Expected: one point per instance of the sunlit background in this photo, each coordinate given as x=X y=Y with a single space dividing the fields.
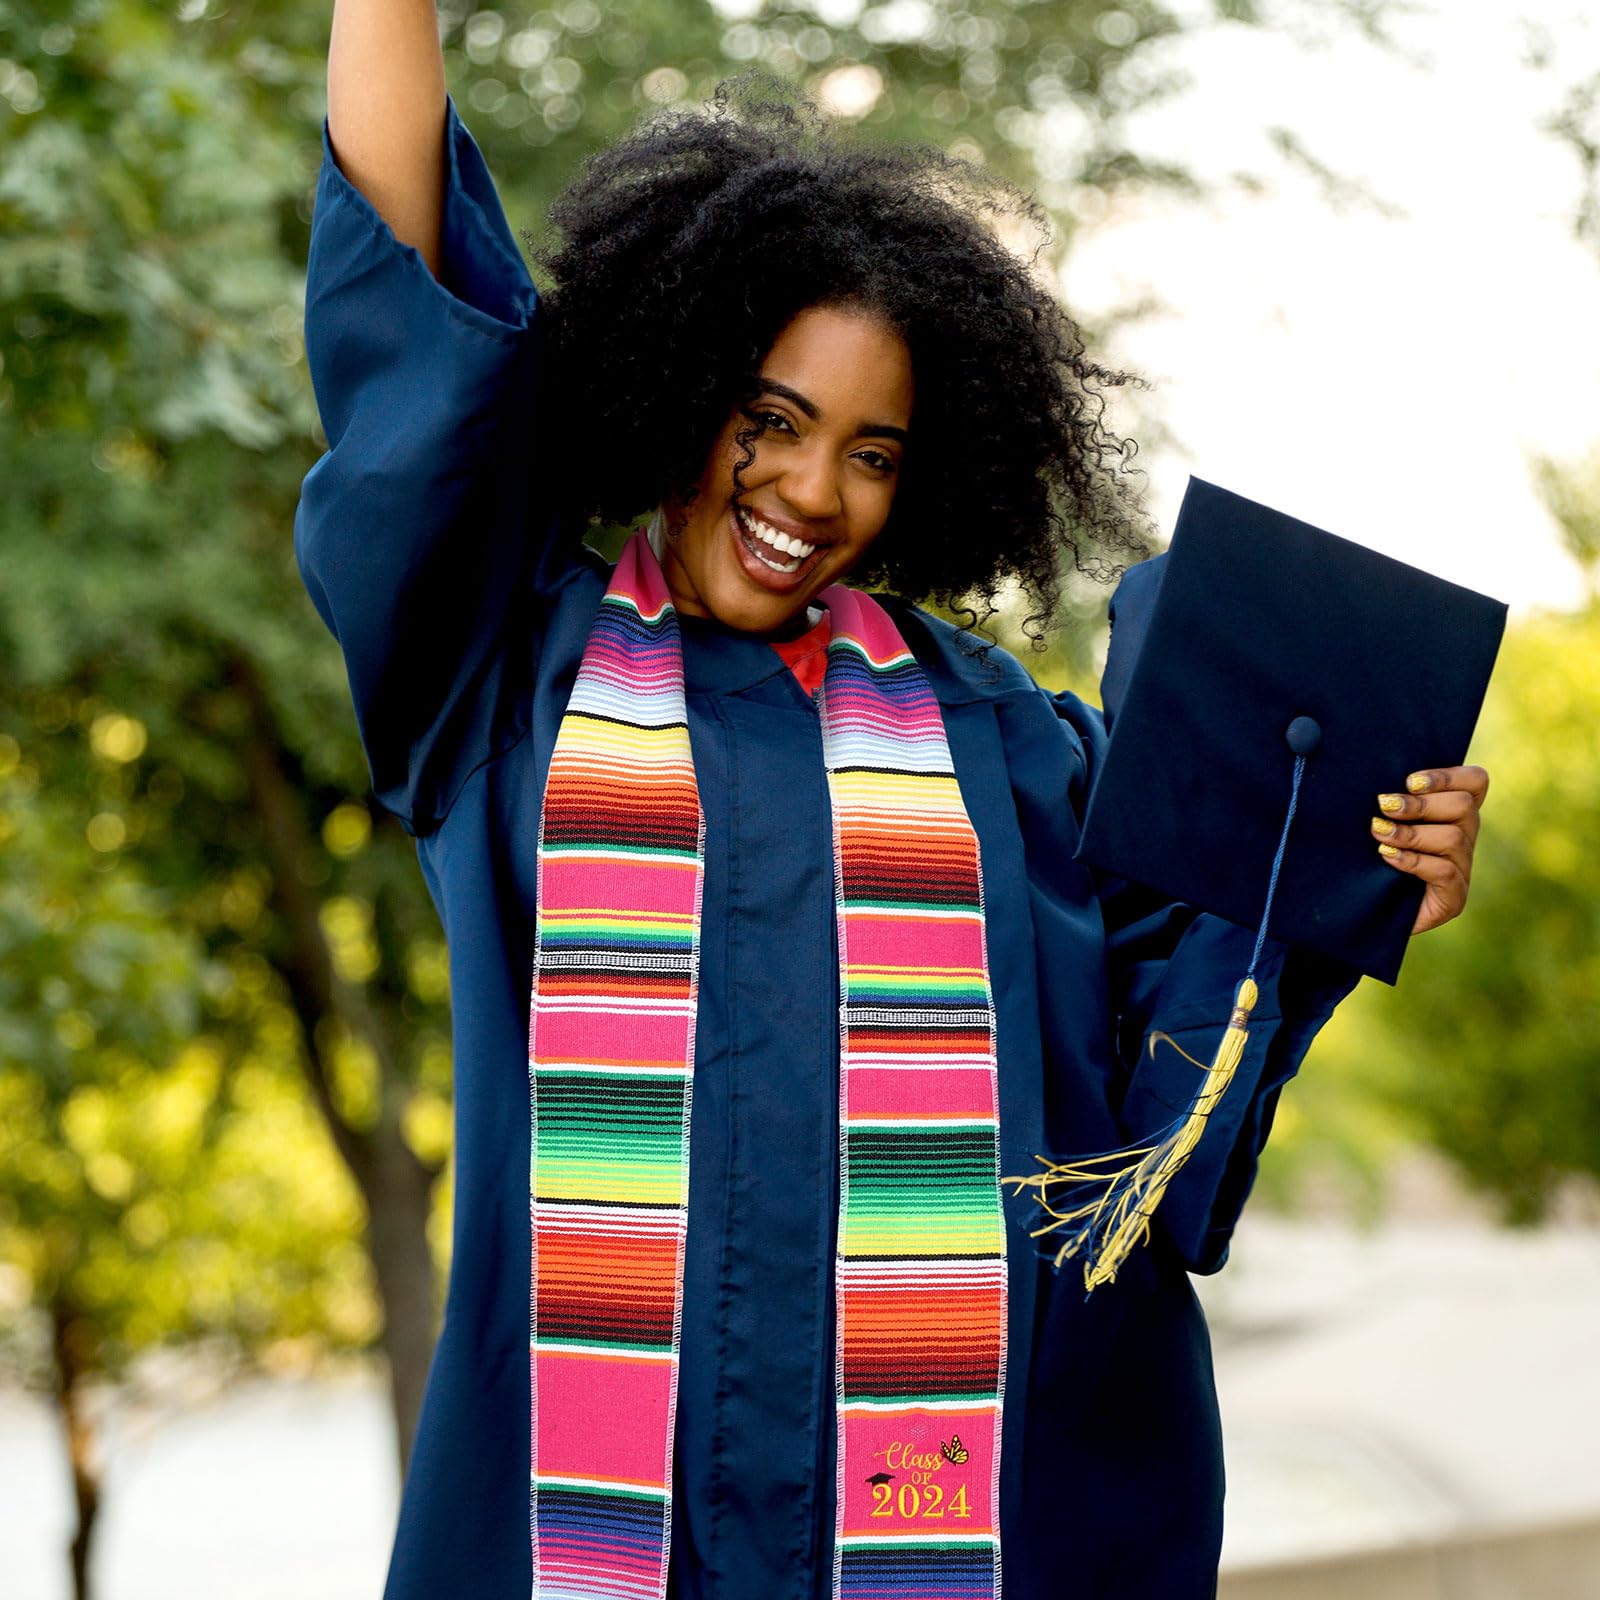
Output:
x=1355 y=247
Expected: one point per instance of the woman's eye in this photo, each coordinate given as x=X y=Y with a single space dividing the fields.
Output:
x=877 y=460
x=771 y=421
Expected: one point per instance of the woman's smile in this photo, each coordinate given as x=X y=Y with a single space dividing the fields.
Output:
x=773 y=555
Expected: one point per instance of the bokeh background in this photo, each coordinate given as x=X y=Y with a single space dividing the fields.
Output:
x=1354 y=245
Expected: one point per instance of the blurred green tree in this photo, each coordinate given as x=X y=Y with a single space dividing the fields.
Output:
x=1555 y=52
x=157 y=162
x=162 y=1179
x=1496 y=1039
x=155 y=423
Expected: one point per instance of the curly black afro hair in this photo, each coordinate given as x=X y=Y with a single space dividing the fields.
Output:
x=683 y=250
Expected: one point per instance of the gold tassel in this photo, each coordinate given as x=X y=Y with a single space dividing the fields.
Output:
x=1116 y=1217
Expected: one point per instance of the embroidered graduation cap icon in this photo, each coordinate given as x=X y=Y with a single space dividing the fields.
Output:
x=1285 y=679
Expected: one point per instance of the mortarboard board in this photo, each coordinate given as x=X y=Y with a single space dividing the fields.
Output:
x=1262 y=619
x=1285 y=678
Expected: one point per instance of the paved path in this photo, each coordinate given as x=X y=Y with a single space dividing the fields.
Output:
x=1415 y=1383
x=1412 y=1383
x=280 y=1491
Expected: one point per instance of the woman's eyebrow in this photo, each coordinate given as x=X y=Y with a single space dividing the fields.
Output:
x=874 y=430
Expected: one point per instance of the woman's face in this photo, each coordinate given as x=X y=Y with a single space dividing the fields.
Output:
x=835 y=405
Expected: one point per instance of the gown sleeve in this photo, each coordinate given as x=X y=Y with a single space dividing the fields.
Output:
x=416 y=533
x=1173 y=969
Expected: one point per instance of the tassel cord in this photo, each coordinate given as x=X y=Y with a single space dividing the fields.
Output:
x=1113 y=1216
x=1277 y=865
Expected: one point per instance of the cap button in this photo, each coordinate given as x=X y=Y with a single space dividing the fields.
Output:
x=1303 y=735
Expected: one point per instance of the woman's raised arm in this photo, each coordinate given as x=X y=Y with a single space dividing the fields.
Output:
x=386 y=112
x=426 y=534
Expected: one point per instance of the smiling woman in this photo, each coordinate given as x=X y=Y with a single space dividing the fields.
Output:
x=736 y=859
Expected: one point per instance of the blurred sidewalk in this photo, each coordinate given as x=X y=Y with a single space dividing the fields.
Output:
x=1418 y=1383
x=1558 y=1561
x=280 y=1490
x=1384 y=1395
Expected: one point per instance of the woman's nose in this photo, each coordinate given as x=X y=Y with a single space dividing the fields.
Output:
x=811 y=485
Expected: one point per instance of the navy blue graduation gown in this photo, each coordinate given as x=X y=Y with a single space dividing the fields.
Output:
x=462 y=607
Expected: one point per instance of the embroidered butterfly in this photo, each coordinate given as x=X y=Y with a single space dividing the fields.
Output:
x=954 y=1452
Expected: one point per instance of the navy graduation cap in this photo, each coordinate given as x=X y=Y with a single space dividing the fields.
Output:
x=1285 y=679
x=1270 y=639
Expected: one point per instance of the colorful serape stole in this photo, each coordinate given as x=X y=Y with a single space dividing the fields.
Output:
x=920 y=1280
x=611 y=1055
x=920 y=1277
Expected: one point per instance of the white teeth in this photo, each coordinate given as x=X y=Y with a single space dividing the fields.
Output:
x=783 y=543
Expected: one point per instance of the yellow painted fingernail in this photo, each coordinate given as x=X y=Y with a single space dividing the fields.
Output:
x=1387 y=850
x=1420 y=782
x=1391 y=803
x=1382 y=827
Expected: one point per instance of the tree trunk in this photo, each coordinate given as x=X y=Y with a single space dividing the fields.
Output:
x=81 y=1451
x=398 y=1191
